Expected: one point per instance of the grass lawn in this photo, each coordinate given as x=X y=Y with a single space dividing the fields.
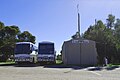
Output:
x=110 y=65
x=7 y=62
x=58 y=62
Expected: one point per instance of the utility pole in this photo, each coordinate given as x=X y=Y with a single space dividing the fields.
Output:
x=78 y=20
x=95 y=22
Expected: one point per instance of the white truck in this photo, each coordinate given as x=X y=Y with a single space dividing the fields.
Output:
x=25 y=52
x=46 y=53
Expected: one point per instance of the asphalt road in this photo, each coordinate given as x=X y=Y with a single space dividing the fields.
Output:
x=13 y=72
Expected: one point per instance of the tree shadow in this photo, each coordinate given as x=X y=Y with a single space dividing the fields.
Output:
x=101 y=68
x=20 y=65
x=112 y=67
x=7 y=64
x=60 y=66
x=95 y=69
x=28 y=65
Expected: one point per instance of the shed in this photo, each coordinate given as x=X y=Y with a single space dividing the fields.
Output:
x=79 y=52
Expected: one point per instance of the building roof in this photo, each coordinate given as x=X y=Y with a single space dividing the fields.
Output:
x=24 y=43
x=46 y=42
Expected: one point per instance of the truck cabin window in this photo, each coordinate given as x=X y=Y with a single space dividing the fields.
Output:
x=22 y=49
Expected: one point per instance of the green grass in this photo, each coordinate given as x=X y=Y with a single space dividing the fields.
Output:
x=58 y=62
x=7 y=62
x=112 y=65
x=12 y=62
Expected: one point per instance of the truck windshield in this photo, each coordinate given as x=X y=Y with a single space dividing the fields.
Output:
x=22 y=49
x=46 y=48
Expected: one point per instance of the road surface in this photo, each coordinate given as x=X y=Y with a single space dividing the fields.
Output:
x=12 y=72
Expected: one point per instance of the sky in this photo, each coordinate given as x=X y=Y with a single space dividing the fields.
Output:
x=55 y=20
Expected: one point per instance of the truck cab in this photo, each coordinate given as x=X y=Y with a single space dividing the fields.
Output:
x=25 y=52
x=46 y=52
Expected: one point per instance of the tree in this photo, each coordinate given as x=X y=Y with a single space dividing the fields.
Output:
x=117 y=32
x=1 y=25
x=105 y=39
x=9 y=35
x=96 y=32
x=117 y=38
x=9 y=39
x=26 y=36
x=59 y=57
x=1 y=35
x=110 y=21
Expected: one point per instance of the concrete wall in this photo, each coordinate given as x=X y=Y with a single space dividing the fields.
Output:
x=80 y=52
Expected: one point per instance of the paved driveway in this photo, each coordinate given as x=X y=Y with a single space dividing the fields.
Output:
x=12 y=72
